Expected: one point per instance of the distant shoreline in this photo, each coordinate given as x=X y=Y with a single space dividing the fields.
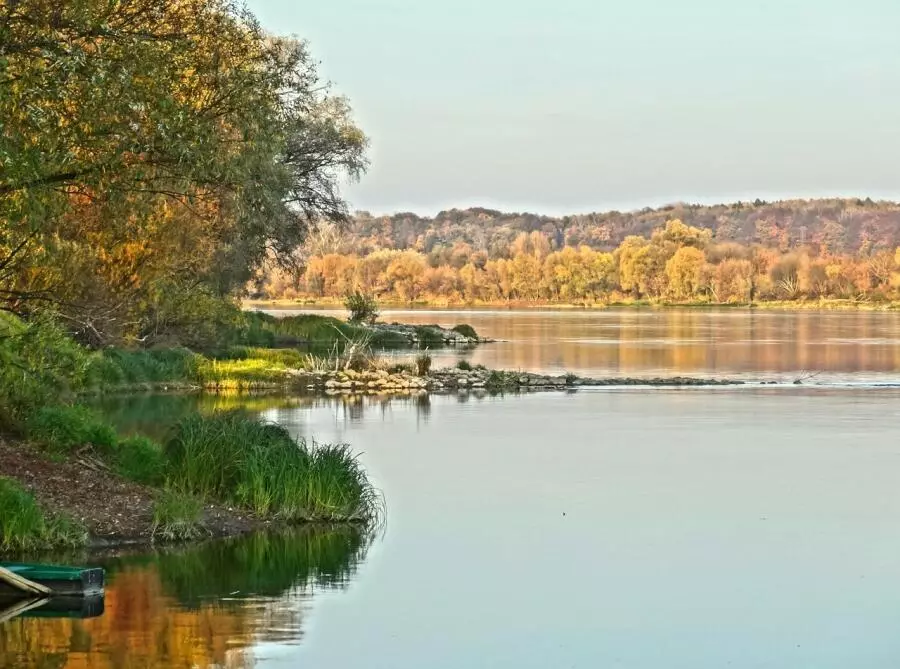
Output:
x=780 y=305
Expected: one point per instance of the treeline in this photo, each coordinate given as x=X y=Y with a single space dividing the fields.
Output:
x=153 y=153
x=832 y=226
x=677 y=262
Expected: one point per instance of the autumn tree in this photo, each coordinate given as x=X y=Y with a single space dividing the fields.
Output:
x=155 y=153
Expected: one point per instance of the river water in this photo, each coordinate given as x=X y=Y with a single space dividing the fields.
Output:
x=848 y=346
x=742 y=527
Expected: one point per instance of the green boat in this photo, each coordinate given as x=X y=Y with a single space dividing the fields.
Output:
x=69 y=581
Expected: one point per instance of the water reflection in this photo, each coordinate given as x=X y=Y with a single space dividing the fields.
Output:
x=635 y=342
x=199 y=607
x=130 y=414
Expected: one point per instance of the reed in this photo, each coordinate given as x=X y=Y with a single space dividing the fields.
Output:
x=176 y=517
x=25 y=527
x=236 y=459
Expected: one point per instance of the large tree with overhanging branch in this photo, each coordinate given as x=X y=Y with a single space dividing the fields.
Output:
x=153 y=153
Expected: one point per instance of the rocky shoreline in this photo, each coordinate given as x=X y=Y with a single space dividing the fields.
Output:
x=455 y=380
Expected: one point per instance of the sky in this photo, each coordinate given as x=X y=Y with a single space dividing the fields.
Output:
x=570 y=106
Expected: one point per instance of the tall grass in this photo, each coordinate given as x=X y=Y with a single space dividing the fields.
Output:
x=116 y=367
x=63 y=428
x=241 y=374
x=24 y=527
x=259 y=466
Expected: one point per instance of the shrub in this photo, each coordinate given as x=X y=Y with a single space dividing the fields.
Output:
x=140 y=459
x=257 y=465
x=429 y=336
x=24 y=527
x=464 y=365
x=39 y=364
x=362 y=307
x=176 y=517
x=423 y=364
x=466 y=331
x=64 y=428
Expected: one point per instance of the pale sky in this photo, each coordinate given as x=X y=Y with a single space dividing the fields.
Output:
x=568 y=106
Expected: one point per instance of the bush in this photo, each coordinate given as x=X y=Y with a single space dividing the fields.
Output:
x=24 y=527
x=140 y=459
x=64 y=428
x=464 y=365
x=362 y=307
x=258 y=466
x=466 y=331
x=39 y=364
x=176 y=517
x=429 y=336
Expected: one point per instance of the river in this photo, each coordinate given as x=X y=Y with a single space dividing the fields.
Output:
x=742 y=527
x=839 y=346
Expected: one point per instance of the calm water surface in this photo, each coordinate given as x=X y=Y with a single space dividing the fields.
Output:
x=617 y=528
x=770 y=345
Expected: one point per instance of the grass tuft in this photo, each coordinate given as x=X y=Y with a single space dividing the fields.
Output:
x=423 y=364
x=24 y=527
x=176 y=517
x=236 y=459
x=62 y=429
x=140 y=459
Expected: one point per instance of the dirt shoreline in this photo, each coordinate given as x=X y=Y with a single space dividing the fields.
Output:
x=114 y=510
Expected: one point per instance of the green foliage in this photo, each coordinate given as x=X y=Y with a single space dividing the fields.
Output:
x=464 y=365
x=140 y=459
x=429 y=336
x=466 y=331
x=155 y=153
x=242 y=374
x=116 y=367
x=362 y=307
x=310 y=330
x=25 y=527
x=61 y=429
x=177 y=516
x=39 y=364
x=259 y=466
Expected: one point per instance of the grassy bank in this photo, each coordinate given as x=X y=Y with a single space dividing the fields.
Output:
x=228 y=459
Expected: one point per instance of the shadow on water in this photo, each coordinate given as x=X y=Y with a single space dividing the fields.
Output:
x=206 y=605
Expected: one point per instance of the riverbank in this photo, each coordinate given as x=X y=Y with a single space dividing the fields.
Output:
x=78 y=484
x=108 y=508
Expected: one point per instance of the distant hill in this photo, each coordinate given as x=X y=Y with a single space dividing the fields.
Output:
x=835 y=226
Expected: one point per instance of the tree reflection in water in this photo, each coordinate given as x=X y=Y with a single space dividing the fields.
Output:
x=198 y=607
